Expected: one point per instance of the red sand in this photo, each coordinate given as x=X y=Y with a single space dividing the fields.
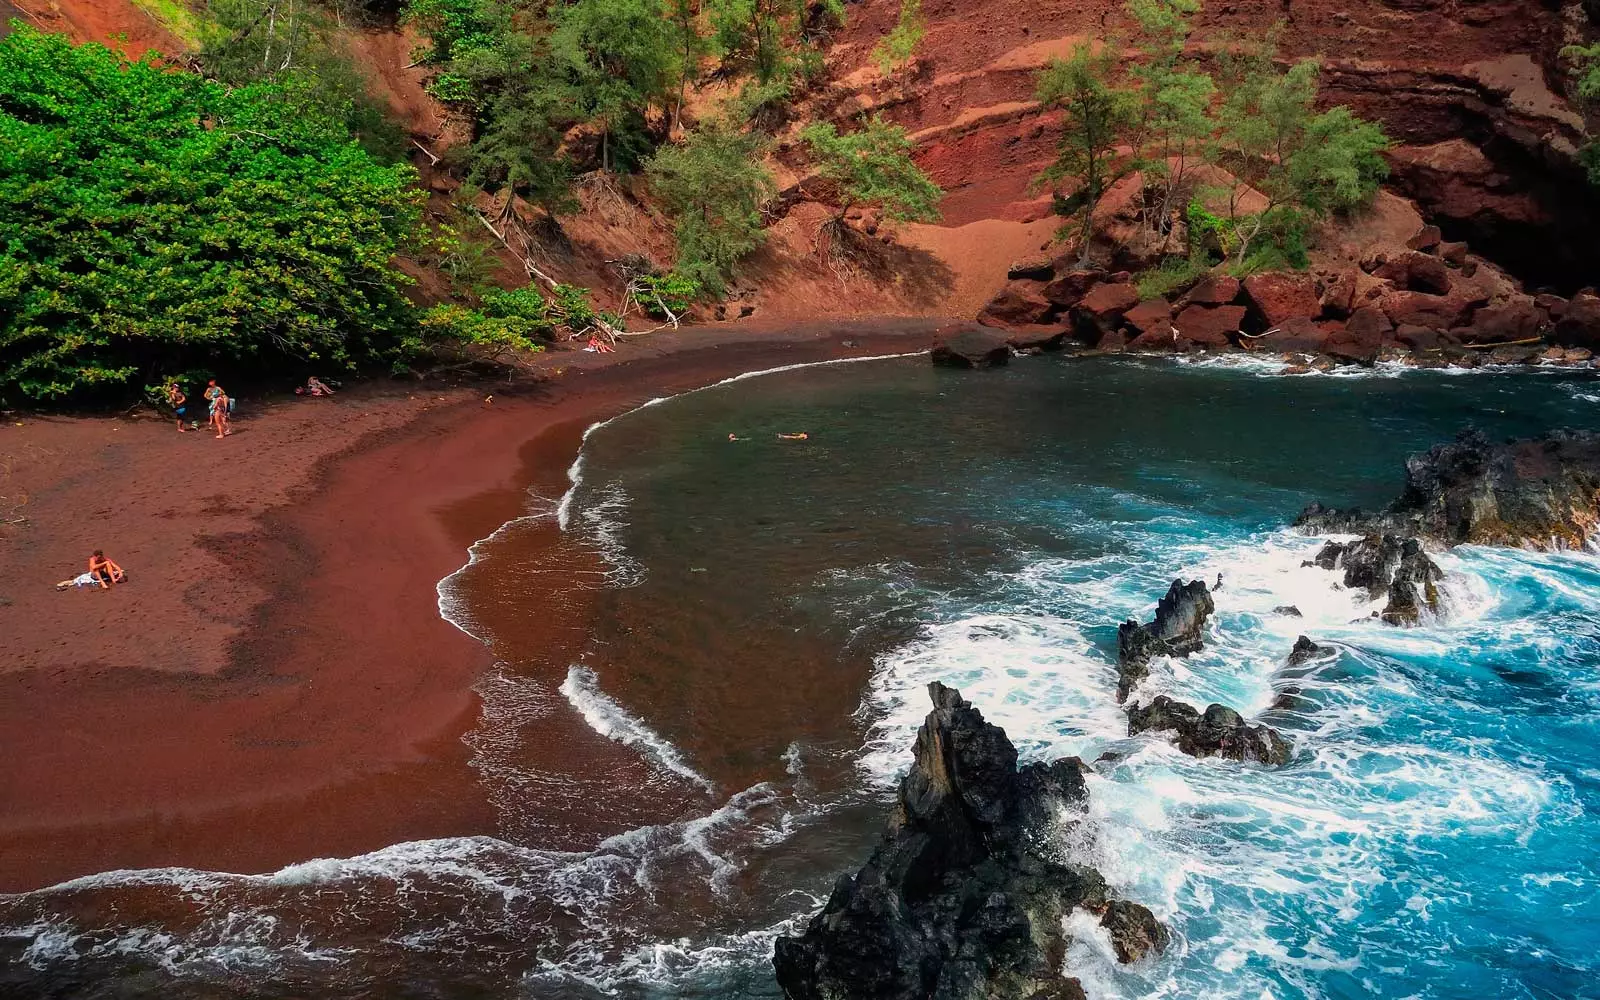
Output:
x=275 y=682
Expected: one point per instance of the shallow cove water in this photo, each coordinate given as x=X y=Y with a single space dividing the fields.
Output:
x=748 y=629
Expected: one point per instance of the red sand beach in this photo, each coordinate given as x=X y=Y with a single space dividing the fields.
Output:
x=275 y=682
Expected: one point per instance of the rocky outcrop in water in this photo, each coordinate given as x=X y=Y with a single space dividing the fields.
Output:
x=964 y=898
x=1541 y=493
x=1390 y=569
x=1305 y=651
x=969 y=347
x=1217 y=732
x=1177 y=631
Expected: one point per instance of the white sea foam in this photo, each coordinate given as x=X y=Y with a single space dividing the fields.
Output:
x=606 y=717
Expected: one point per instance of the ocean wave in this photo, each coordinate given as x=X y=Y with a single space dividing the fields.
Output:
x=606 y=717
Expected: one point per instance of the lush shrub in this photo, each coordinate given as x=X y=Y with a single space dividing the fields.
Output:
x=151 y=221
x=1169 y=276
x=504 y=321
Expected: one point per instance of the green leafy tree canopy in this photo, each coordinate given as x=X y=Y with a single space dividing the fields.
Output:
x=873 y=166
x=151 y=220
x=714 y=184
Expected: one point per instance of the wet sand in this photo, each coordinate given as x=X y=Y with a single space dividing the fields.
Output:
x=275 y=683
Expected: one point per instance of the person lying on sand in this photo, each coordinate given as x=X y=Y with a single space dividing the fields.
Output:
x=81 y=580
x=794 y=437
x=314 y=387
x=105 y=570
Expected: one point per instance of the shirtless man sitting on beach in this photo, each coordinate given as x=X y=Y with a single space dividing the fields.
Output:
x=105 y=570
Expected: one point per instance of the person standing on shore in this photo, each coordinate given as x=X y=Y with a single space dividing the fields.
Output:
x=219 y=401
x=177 y=400
x=219 y=414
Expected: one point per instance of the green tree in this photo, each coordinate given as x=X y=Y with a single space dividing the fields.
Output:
x=1096 y=113
x=153 y=221
x=715 y=185
x=1307 y=164
x=620 y=57
x=1173 y=121
x=295 y=45
x=873 y=166
x=895 y=49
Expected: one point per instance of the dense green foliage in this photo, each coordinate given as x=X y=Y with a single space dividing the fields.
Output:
x=151 y=220
x=873 y=166
x=714 y=185
x=503 y=321
x=1257 y=118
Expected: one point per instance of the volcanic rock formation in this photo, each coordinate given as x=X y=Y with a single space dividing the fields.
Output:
x=1180 y=620
x=1391 y=569
x=1218 y=732
x=965 y=896
x=1539 y=493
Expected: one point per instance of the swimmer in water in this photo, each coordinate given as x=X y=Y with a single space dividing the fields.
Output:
x=734 y=437
x=794 y=437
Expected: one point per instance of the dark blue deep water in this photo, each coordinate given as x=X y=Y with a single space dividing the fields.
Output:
x=769 y=613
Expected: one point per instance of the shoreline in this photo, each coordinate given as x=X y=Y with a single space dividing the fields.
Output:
x=311 y=738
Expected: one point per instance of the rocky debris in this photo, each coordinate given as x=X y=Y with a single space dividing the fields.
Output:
x=1213 y=290
x=1019 y=303
x=1288 y=611
x=1218 y=732
x=1390 y=569
x=1417 y=272
x=971 y=347
x=1425 y=309
x=964 y=898
x=1338 y=298
x=1578 y=323
x=1517 y=318
x=1153 y=317
x=1427 y=238
x=1540 y=493
x=1177 y=630
x=1069 y=287
x=1209 y=326
x=1134 y=930
x=1278 y=297
x=1100 y=312
x=1039 y=267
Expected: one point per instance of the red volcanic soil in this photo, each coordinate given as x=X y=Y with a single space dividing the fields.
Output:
x=274 y=683
x=117 y=23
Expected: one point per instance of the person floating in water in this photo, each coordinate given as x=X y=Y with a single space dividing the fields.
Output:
x=802 y=436
x=734 y=437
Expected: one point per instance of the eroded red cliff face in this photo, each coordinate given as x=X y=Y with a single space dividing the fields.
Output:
x=1468 y=89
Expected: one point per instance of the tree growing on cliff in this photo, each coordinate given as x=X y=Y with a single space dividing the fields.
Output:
x=1309 y=165
x=1173 y=99
x=1096 y=114
x=872 y=166
x=895 y=49
x=715 y=185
